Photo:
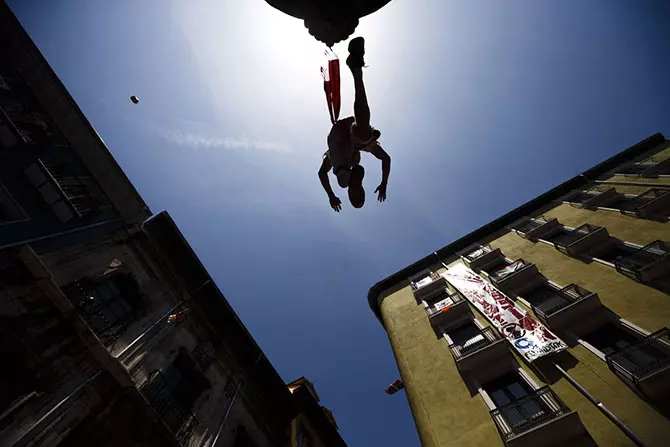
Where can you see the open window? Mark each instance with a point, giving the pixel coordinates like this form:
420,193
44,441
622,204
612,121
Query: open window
108,304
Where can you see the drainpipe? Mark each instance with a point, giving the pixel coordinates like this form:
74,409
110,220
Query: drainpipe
225,417
611,416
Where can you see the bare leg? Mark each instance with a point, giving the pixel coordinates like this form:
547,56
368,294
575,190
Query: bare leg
361,107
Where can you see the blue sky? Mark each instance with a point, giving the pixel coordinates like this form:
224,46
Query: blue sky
482,106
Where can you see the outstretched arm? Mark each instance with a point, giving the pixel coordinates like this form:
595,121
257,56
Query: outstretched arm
386,171
335,202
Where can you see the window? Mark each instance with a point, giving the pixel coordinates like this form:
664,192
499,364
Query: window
546,297
466,334
185,381
468,338
512,397
9,209
616,251
173,393
610,338
107,305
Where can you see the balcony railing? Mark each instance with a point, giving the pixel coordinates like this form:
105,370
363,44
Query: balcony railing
640,264
482,257
447,303
599,196
528,225
569,237
179,421
521,416
647,203
416,285
563,298
636,362
577,241
428,286
486,337
478,253
533,229
501,274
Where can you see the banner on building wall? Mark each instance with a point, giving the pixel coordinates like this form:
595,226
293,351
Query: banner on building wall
528,336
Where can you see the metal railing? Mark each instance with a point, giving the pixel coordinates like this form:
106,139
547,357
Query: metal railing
416,285
638,361
579,198
632,205
633,264
439,306
486,337
504,272
566,238
565,297
179,421
527,413
478,253
529,225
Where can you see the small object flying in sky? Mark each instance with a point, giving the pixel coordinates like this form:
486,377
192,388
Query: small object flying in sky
134,99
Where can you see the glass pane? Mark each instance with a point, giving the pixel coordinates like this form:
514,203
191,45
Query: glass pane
464,333
109,316
517,390
500,398
118,309
104,291
97,323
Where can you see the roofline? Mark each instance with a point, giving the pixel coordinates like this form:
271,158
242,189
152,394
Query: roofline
498,224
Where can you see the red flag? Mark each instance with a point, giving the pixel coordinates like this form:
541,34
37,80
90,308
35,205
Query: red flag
331,85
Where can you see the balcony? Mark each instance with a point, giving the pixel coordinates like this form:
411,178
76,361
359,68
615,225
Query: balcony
650,203
179,421
447,312
566,306
481,352
483,257
652,167
534,229
66,194
517,278
646,264
645,365
540,418
594,198
580,240
429,285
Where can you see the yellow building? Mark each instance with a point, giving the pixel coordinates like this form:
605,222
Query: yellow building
549,325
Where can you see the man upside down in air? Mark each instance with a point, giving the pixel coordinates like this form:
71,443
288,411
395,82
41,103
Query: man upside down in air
348,137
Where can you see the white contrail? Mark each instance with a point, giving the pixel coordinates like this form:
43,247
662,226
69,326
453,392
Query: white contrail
198,141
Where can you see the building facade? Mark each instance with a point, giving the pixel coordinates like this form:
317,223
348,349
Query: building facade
58,182
315,425
549,325
112,333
